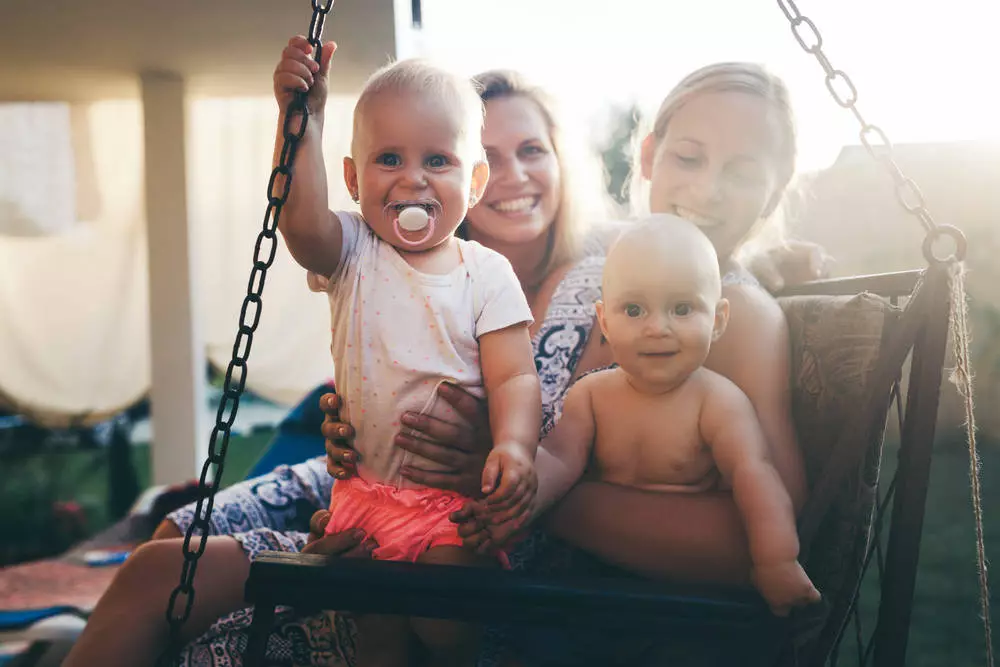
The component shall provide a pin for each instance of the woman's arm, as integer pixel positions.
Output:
(754, 353)
(791, 263)
(693, 537)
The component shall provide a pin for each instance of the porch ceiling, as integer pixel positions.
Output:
(72, 50)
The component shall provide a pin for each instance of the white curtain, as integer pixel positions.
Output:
(230, 149)
(74, 323)
(37, 186)
(74, 329)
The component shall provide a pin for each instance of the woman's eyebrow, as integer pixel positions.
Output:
(523, 142)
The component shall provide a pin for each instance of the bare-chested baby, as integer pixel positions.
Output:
(660, 420)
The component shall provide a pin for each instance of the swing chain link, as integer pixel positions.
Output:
(278, 188)
(874, 139)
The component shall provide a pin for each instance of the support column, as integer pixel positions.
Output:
(179, 413)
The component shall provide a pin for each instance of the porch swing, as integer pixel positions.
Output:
(850, 340)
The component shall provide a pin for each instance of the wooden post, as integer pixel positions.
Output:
(179, 421)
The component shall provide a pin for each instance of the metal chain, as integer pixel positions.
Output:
(278, 188)
(873, 137)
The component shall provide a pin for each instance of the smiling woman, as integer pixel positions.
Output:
(524, 193)
(723, 144)
(540, 194)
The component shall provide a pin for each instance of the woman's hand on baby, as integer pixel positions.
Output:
(784, 586)
(458, 448)
(341, 459)
(791, 263)
(484, 529)
(297, 71)
(474, 523)
(510, 483)
(345, 544)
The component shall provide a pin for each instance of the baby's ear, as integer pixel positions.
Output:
(351, 177)
(599, 307)
(721, 319)
(480, 177)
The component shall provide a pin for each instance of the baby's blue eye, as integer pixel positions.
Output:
(683, 309)
(633, 310)
(389, 160)
(437, 161)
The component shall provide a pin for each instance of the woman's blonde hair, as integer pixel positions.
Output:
(581, 199)
(743, 77)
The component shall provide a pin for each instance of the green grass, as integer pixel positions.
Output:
(946, 619)
(29, 488)
(242, 453)
(946, 626)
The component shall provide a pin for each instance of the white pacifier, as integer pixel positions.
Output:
(413, 218)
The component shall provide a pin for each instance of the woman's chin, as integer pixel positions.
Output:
(513, 229)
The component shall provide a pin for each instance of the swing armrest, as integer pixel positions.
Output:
(310, 581)
(895, 284)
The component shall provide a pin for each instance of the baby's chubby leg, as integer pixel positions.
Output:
(450, 643)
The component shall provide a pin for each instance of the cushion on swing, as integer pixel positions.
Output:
(835, 342)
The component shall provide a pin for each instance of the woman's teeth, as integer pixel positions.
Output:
(519, 205)
(697, 218)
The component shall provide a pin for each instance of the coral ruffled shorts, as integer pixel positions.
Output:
(404, 522)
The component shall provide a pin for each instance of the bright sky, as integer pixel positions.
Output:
(933, 83)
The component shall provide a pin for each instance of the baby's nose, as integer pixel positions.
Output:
(658, 324)
(415, 177)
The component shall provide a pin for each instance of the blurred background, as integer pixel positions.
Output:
(135, 150)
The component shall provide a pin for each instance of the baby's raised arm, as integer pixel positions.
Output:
(729, 425)
(311, 230)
